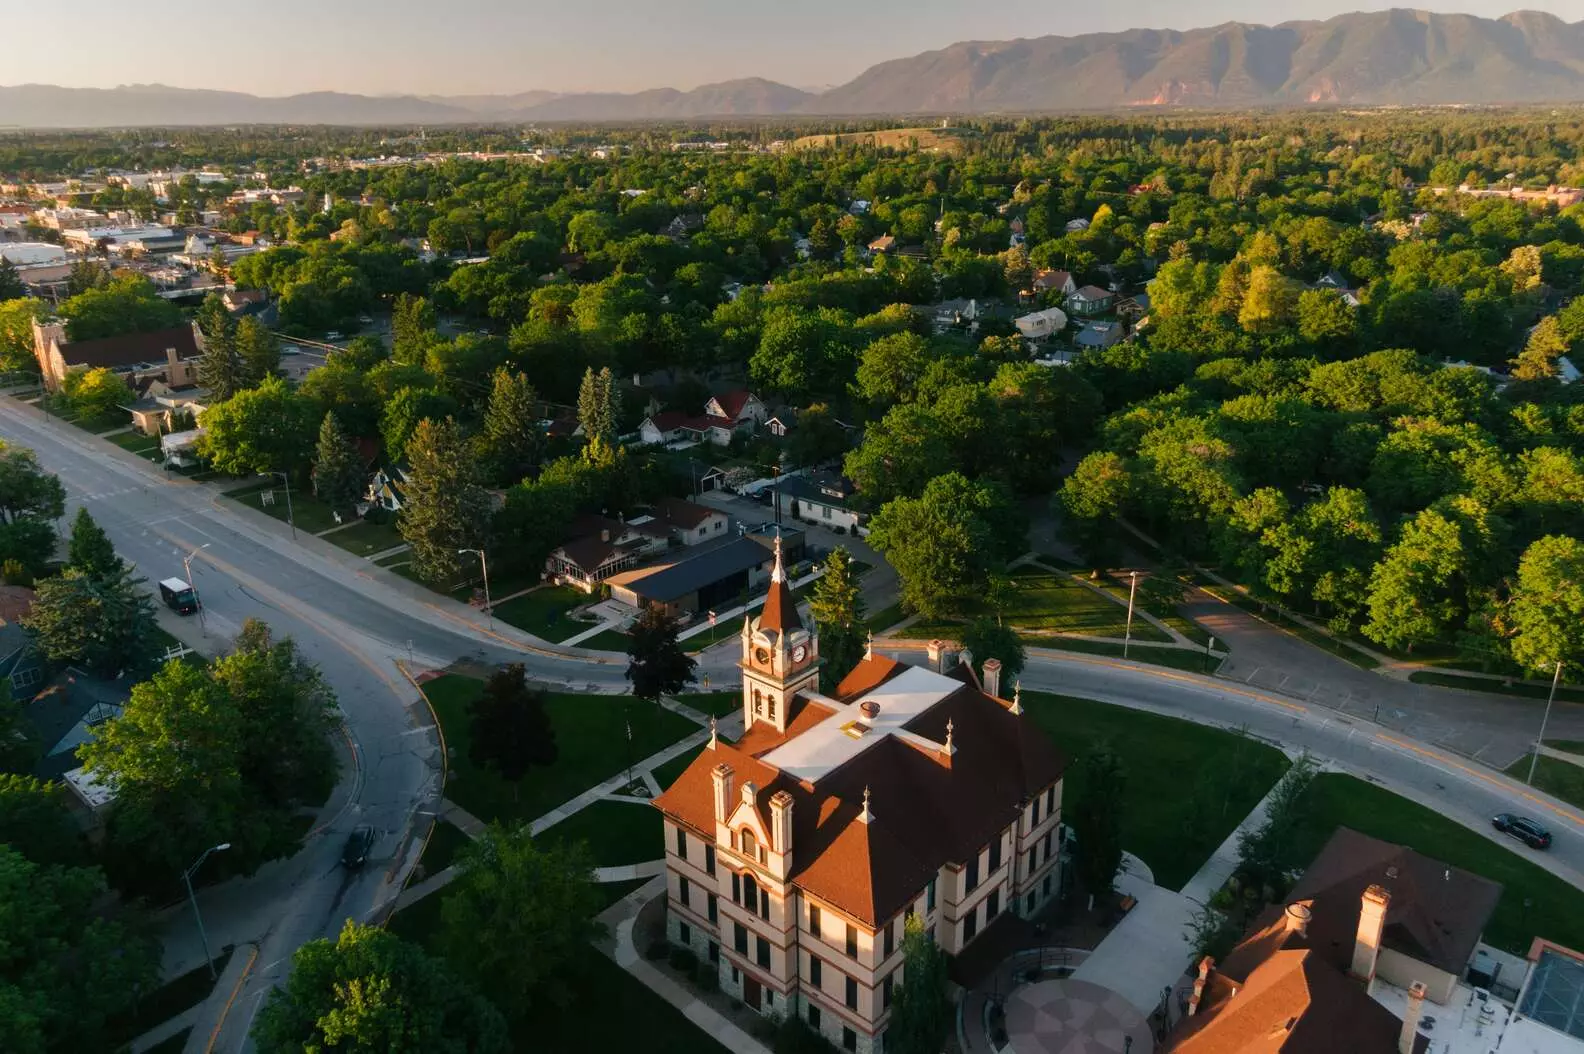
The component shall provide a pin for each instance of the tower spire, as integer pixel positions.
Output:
(951, 748)
(1017, 697)
(866, 816)
(713, 740)
(780, 608)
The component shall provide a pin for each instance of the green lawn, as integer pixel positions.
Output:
(136, 442)
(610, 640)
(1558, 778)
(1174, 658)
(307, 512)
(616, 832)
(886, 617)
(590, 736)
(1483, 684)
(1117, 586)
(366, 538)
(445, 842)
(720, 704)
(1177, 807)
(543, 612)
(1572, 746)
(1556, 910)
(1041, 600)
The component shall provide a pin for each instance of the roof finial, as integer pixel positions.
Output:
(1017, 697)
(951, 748)
(866, 816)
(869, 648)
(713, 739)
(777, 573)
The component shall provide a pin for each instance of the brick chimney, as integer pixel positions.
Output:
(992, 677)
(1203, 979)
(942, 657)
(1372, 922)
(1297, 917)
(1410, 1025)
(721, 776)
(781, 822)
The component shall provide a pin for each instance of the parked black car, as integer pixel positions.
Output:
(1527, 831)
(355, 854)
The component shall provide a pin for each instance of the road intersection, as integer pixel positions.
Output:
(367, 628)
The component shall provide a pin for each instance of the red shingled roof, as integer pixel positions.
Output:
(780, 607)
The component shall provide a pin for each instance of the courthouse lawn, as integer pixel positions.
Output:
(1187, 786)
(543, 613)
(590, 736)
(616, 832)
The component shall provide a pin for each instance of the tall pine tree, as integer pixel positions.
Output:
(219, 368)
(90, 551)
(597, 407)
(258, 351)
(838, 611)
(445, 508)
(338, 467)
(512, 443)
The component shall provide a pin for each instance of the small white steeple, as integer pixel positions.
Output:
(866, 816)
(869, 648)
(713, 740)
(778, 572)
(951, 748)
(1017, 697)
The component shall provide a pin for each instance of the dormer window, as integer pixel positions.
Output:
(748, 844)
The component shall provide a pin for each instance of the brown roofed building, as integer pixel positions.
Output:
(169, 354)
(795, 854)
(1365, 911)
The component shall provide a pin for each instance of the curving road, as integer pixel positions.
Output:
(360, 624)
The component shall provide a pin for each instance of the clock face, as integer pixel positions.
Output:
(762, 655)
(798, 653)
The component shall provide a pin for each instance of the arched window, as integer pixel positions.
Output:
(748, 844)
(758, 701)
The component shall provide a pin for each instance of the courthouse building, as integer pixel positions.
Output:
(795, 854)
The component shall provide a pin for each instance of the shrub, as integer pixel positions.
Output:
(683, 960)
(709, 977)
(658, 949)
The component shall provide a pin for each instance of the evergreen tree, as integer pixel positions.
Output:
(511, 731)
(219, 368)
(1097, 821)
(920, 1007)
(258, 351)
(656, 663)
(446, 508)
(11, 287)
(512, 443)
(412, 329)
(597, 411)
(838, 609)
(105, 624)
(338, 479)
(90, 551)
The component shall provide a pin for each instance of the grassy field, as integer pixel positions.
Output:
(446, 841)
(590, 736)
(1117, 586)
(307, 512)
(885, 618)
(1556, 909)
(1558, 778)
(616, 832)
(543, 612)
(1176, 809)
(948, 140)
(610, 640)
(718, 703)
(1483, 684)
(139, 444)
(365, 537)
(1056, 602)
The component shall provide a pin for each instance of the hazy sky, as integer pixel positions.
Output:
(461, 46)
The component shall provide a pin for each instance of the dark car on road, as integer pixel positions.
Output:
(359, 842)
(1527, 831)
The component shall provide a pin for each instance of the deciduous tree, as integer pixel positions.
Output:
(259, 430)
(95, 394)
(920, 1006)
(104, 623)
(945, 543)
(1097, 821)
(510, 728)
(656, 662)
(1547, 608)
(370, 992)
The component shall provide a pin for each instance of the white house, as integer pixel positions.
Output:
(1042, 324)
(821, 500)
(740, 406)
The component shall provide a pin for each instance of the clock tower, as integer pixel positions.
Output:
(780, 658)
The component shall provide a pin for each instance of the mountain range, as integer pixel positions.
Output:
(1397, 57)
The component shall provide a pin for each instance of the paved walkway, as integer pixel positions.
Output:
(166, 1029)
(1223, 862)
(1149, 949)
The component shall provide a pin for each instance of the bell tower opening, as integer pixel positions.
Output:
(780, 656)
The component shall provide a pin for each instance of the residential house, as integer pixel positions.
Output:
(803, 247)
(1098, 335)
(713, 577)
(1367, 923)
(674, 427)
(245, 301)
(682, 227)
(387, 489)
(689, 523)
(819, 498)
(739, 406)
(1079, 224)
(795, 855)
(163, 408)
(1059, 282)
(20, 661)
(860, 207)
(952, 314)
(169, 354)
(1090, 300)
(1042, 324)
(1334, 280)
(781, 423)
(883, 244)
(598, 547)
(65, 712)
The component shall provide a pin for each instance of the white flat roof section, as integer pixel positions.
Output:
(1471, 1022)
(853, 728)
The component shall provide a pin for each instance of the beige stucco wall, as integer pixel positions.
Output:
(1396, 968)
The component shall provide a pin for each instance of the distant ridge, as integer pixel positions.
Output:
(1400, 57)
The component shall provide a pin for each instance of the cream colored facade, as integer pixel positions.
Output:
(732, 900)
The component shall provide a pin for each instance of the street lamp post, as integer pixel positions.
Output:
(187, 878)
(484, 566)
(187, 567)
(1544, 719)
(291, 521)
(1132, 592)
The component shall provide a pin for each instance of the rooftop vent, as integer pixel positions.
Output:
(855, 729)
(870, 708)
(1391, 872)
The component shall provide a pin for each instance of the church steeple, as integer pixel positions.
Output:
(780, 609)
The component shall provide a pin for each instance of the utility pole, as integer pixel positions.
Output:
(187, 878)
(1544, 720)
(290, 520)
(484, 565)
(192, 585)
(1127, 640)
